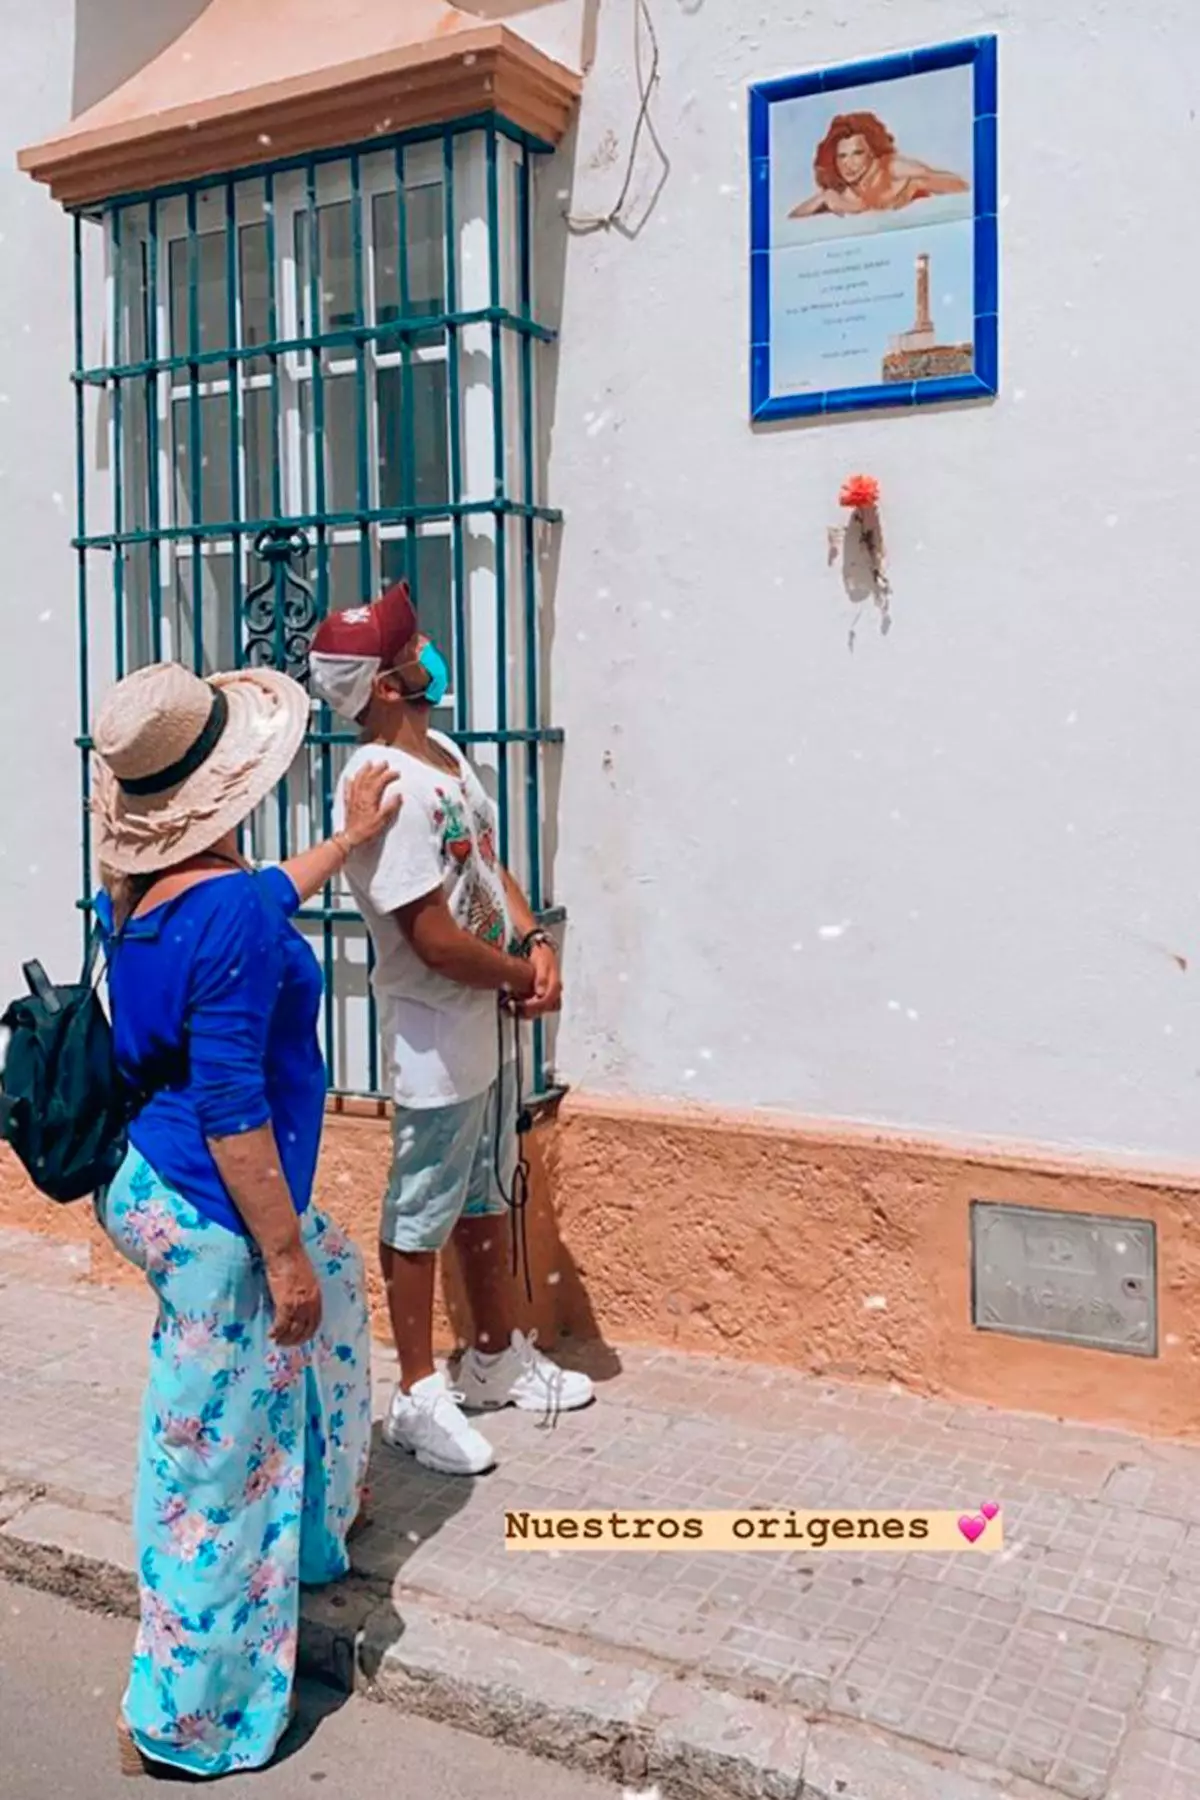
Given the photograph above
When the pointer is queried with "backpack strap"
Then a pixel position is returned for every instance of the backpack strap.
(91, 953)
(92, 965)
(41, 987)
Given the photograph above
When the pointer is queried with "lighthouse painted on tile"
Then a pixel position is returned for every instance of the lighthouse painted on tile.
(916, 355)
(924, 320)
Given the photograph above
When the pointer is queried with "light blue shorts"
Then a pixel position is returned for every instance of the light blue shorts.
(444, 1166)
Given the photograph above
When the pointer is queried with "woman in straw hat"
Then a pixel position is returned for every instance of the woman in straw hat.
(257, 1419)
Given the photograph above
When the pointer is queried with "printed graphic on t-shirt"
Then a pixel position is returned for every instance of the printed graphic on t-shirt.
(450, 819)
(485, 837)
(484, 918)
(439, 1037)
(468, 854)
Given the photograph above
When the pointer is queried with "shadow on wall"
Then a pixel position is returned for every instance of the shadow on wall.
(355, 1157)
(561, 1311)
(502, 11)
(561, 1308)
(556, 178)
(116, 38)
(641, 173)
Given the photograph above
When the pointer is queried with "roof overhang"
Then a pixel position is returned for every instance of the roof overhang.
(187, 115)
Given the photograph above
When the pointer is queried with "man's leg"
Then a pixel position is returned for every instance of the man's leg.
(502, 1368)
(408, 1277)
(484, 1253)
(431, 1166)
(432, 1150)
(482, 1237)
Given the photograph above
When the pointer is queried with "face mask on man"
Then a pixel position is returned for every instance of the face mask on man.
(345, 682)
(433, 690)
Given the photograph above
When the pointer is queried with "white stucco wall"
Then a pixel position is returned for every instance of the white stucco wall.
(58, 57)
(39, 705)
(940, 883)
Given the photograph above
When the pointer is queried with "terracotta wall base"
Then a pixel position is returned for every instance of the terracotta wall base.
(841, 1252)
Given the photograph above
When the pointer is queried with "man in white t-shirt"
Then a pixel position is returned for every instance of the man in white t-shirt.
(455, 941)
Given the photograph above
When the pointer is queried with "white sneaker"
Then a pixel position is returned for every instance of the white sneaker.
(429, 1424)
(522, 1377)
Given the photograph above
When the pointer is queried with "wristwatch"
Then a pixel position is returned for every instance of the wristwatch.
(534, 938)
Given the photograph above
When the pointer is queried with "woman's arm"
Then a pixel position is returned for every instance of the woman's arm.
(373, 799)
(935, 181)
(248, 1164)
(232, 993)
(808, 209)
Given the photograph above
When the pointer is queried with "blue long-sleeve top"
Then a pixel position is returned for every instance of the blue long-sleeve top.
(215, 998)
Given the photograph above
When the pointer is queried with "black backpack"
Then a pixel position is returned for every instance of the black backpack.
(64, 1106)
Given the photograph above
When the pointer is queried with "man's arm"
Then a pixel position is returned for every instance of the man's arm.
(519, 909)
(458, 955)
(543, 958)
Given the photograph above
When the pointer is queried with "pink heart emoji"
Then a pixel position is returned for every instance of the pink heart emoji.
(989, 1509)
(972, 1528)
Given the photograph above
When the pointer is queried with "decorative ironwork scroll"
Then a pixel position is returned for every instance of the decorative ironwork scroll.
(281, 609)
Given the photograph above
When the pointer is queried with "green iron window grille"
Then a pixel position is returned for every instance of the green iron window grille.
(319, 376)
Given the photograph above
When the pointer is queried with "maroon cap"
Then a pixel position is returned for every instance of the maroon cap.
(383, 629)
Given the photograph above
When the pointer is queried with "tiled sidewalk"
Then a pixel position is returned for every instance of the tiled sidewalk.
(1068, 1665)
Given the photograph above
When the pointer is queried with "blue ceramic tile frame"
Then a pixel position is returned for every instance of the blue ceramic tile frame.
(981, 53)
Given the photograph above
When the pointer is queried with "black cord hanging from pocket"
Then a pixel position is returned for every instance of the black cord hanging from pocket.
(517, 1200)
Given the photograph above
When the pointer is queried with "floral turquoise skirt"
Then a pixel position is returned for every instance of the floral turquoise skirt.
(251, 1467)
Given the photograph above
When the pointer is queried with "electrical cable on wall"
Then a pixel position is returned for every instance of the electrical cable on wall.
(643, 27)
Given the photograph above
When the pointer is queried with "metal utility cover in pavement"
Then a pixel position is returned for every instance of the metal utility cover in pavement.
(1073, 1278)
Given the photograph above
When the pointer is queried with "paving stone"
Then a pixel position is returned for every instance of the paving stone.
(805, 1623)
(1096, 1564)
(1175, 1620)
(954, 1467)
(1045, 1698)
(1006, 1575)
(1168, 1485)
(1157, 1765)
(842, 1765)
(1172, 1698)
(1058, 1433)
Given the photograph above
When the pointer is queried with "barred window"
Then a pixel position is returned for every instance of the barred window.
(320, 377)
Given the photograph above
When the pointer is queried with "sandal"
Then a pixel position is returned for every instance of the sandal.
(131, 1760)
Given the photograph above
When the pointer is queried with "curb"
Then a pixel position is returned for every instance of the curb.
(83, 1557)
(640, 1727)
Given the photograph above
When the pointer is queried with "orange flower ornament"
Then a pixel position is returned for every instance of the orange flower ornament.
(859, 492)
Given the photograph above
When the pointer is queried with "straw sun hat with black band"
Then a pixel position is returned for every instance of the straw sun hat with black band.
(181, 761)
